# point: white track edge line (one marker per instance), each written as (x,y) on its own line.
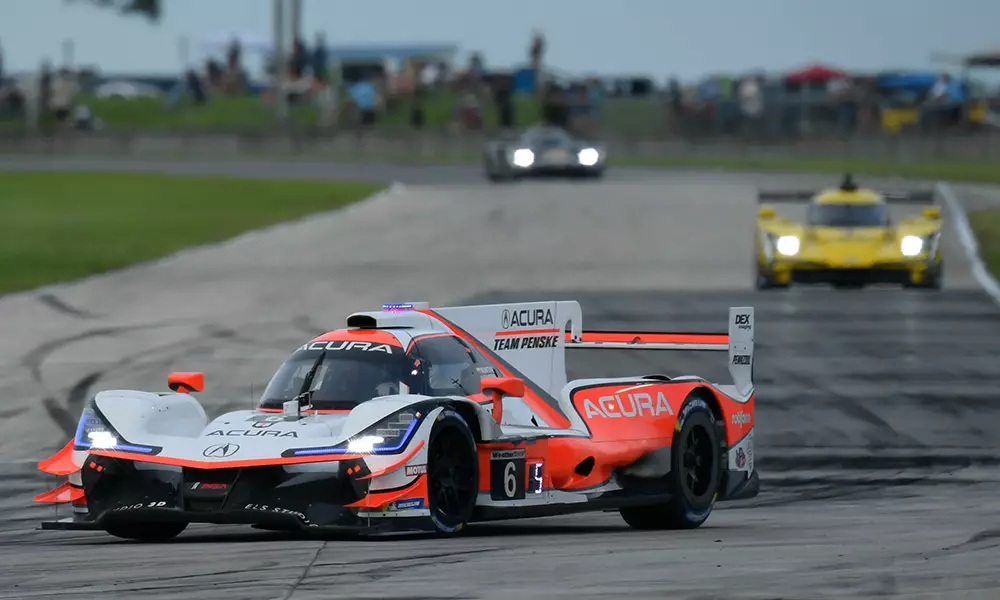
(969,243)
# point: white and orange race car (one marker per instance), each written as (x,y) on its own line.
(420,418)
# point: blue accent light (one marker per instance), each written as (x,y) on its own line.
(403,441)
(81,442)
(397,307)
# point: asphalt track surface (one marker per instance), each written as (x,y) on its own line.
(877,409)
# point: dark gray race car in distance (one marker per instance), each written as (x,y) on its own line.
(542,150)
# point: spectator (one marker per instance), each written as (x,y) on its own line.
(233,78)
(298,60)
(751,98)
(365,97)
(944,103)
(194,87)
(555,110)
(504,102)
(63,96)
(319,60)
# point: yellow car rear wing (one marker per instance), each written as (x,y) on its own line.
(797,196)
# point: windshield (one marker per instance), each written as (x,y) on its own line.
(548,137)
(342,378)
(848,215)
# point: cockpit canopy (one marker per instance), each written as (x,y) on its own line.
(339,374)
(848,214)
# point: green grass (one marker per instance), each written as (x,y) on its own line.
(986,225)
(982,172)
(63,226)
(253,114)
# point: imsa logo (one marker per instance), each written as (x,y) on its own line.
(631,406)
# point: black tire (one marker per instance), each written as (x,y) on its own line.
(452,473)
(145,531)
(695,474)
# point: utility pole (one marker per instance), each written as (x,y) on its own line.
(280,99)
(296,19)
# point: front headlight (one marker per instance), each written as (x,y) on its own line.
(524,157)
(389,436)
(588,157)
(911,245)
(95,433)
(788,245)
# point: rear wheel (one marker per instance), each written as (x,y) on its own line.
(694,475)
(452,473)
(145,531)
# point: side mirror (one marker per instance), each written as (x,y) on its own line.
(186,382)
(498,388)
(766,212)
(932,212)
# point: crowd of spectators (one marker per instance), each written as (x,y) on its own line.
(362,97)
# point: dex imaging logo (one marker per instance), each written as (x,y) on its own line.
(221,450)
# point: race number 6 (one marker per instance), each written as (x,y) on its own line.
(507,474)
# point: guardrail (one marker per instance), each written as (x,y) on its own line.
(440,147)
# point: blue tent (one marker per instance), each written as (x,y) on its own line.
(402,52)
(912,81)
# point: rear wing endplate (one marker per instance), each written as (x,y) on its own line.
(739,342)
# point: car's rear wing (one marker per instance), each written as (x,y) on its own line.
(801,196)
(739,342)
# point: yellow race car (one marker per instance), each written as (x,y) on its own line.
(848,240)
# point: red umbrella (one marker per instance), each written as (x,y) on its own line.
(815,74)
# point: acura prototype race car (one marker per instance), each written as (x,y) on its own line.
(848,239)
(423,419)
(542,150)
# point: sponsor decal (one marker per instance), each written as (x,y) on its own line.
(250,433)
(526,343)
(412,470)
(526,317)
(741,458)
(741,359)
(741,418)
(208,486)
(275,509)
(743,321)
(140,506)
(409,504)
(627,406)
(221,450)
(508,454)
(347,346)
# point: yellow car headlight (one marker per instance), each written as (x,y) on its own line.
(788,245)
(911,245)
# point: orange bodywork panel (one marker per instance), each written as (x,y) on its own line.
(186,382)
(376,499)
(64,493)
(60,463)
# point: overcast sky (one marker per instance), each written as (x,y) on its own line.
(654,37)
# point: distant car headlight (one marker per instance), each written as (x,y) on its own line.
(911,245)
(524,157)
(588,157)
(788,245)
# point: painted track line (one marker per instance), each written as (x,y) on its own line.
(969,243)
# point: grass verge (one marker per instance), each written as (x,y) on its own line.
(986,225)
(62,226)
(983,172)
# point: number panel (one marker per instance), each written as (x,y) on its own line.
(507,474)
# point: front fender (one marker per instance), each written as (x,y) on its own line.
(138,415)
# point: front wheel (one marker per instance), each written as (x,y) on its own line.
(146,531)
(452,473)
(694,476)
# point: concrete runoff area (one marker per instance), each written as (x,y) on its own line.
(875,407)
